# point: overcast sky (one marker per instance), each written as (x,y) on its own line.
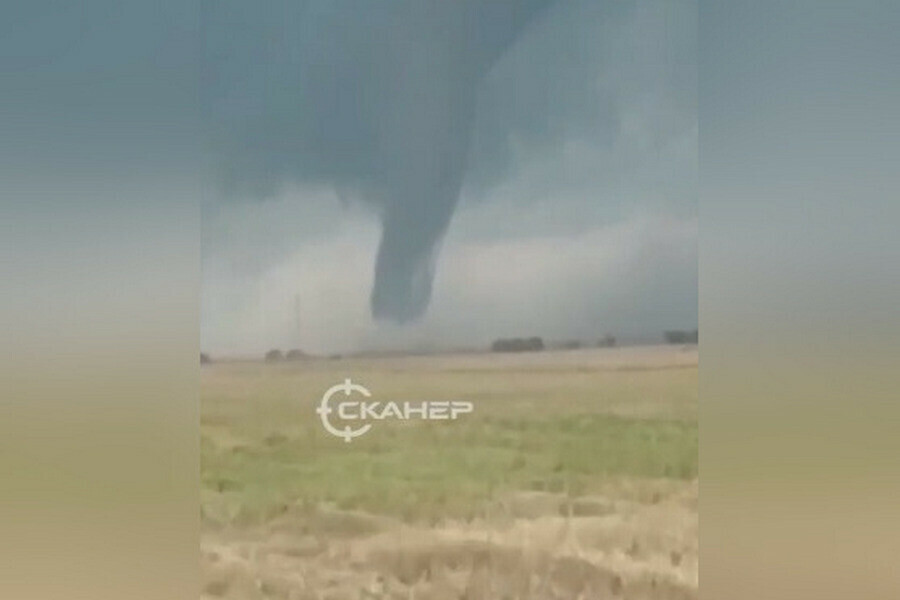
(534,164)
(576,214)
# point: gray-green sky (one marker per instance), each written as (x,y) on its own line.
(577,209)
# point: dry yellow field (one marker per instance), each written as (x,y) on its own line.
(574,477)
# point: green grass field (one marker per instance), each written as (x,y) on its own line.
(614,424)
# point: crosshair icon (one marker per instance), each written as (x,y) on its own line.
(323,410)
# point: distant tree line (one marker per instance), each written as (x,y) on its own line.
(607,341)
(531,344)
(516,344)
(682,337)
(275,355)
(536,344)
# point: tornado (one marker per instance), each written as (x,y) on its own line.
(374,96)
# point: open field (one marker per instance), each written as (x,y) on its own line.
(575,477)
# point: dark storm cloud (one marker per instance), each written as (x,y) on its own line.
(584,129)
(375,98)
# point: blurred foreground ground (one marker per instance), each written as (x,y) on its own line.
(575,477)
